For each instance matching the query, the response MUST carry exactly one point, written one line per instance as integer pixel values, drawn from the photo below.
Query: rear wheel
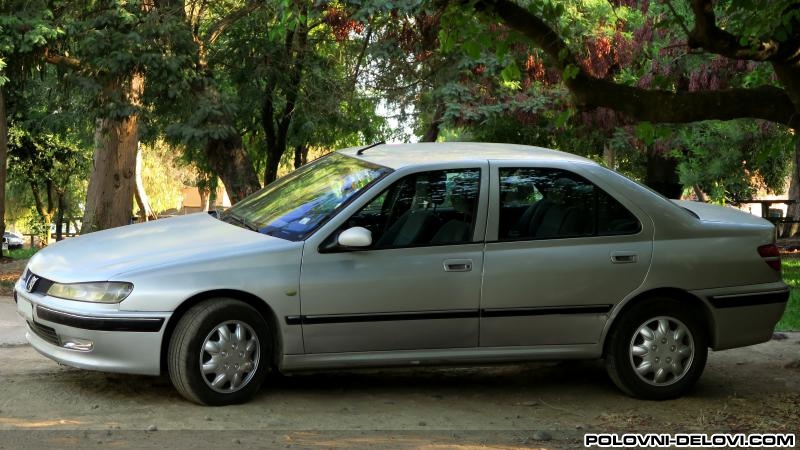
(658, 349)
(219, 352)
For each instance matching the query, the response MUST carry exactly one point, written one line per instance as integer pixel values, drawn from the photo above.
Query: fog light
(81, 345)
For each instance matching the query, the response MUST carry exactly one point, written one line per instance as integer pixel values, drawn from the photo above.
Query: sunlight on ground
(33, 424)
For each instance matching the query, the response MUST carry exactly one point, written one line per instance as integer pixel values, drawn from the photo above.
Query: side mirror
(355, 237)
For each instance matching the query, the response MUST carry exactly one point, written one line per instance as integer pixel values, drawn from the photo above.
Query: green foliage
(253, 67)
(45, 161)
(21, 253)
(38, 226)
(211, 72)
(113, 40)
(756, 18)
(164, 176)
(508, 91)
(23, 34)
(733, 160)
(791, 276)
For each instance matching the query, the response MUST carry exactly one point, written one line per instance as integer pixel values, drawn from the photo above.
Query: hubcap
(661, 351)
(229, 356)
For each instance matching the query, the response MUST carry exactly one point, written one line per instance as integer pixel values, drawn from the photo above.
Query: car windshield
(297, 204)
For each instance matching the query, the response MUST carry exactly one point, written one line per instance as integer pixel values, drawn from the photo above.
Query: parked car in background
(414, 254)
(13, 240)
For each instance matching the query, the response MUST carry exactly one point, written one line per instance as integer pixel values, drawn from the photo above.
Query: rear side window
(543, 203)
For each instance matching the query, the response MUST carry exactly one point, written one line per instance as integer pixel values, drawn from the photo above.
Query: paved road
(12, 327)
(42, 403)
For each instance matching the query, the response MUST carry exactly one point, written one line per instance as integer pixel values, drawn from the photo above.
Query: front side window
(542, 203)
(426, 208)
(297, 204)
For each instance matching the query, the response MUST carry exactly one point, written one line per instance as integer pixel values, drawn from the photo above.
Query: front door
(418, 285)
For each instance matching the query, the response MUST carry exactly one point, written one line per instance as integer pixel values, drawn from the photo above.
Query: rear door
(562, 251)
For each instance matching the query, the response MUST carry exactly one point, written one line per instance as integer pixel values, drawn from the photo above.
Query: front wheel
(658, 349)
(219, 352)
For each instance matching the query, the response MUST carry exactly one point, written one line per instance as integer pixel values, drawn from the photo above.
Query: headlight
(103, 292)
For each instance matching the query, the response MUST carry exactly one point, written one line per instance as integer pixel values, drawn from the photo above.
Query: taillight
(771, 254)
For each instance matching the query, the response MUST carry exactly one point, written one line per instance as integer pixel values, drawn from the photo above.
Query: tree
(209, 133)
(290, 72)
(48, 164)
(514, 96)
(776, 104)
(3, 159)
(589, 58)
(21, 34)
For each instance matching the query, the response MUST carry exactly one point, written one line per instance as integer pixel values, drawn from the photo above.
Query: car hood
(109, 254)
(722, 214)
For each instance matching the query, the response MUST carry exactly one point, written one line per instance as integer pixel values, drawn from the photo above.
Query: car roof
(396, 156)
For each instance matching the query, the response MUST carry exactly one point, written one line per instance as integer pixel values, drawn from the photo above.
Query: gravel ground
(541, 405)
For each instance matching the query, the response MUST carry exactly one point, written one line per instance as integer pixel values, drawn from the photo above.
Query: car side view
(395, 255)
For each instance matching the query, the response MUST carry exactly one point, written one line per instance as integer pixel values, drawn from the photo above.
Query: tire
(629, 348)
(240, 361)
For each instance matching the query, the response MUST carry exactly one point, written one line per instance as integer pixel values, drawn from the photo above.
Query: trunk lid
(722, 214)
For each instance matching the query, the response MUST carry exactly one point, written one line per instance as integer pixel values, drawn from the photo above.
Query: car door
(418, 285)
(561, 251)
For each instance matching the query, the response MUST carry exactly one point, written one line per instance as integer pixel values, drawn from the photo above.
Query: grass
(791, 275)
(20, 253)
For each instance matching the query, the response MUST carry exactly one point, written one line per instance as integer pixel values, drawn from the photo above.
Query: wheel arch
(256, 302)
(671, 292)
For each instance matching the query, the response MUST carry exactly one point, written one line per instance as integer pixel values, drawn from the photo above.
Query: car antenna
(361, 150)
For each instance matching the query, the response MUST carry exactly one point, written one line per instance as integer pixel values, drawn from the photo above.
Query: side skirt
(438, 357)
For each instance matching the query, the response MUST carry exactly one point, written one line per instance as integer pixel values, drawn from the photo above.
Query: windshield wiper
(241, 220)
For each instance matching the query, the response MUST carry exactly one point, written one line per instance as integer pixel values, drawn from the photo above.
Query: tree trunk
(109, 199)
(3, 154)
(276, 128)
(300, 156)
(232, 164)
(45, 210)
(60, 217)
(662, 175)
(212, 196)
(793, 211)
(145, 211)
(701, 197)
(204, 194)
(74, 224)
(274, 154)
(432, 132)
(609, 157)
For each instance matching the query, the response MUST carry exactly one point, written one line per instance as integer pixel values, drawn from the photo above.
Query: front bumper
(744, 315)
(125, 342)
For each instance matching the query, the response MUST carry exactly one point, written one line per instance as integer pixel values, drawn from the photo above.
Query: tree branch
(708, 36)
(678, 18)
(56, 59)
(216, 30)
(766, 102)
(534, 28)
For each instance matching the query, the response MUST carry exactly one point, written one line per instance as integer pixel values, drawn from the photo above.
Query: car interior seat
(410, 227)
(462, 196)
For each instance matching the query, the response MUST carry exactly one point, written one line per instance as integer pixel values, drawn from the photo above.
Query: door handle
(624, 257)
(457, 265)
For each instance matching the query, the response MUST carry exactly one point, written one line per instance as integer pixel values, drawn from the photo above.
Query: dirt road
(545, 405)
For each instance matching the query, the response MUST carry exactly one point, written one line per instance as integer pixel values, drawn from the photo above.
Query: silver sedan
(398, 255)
